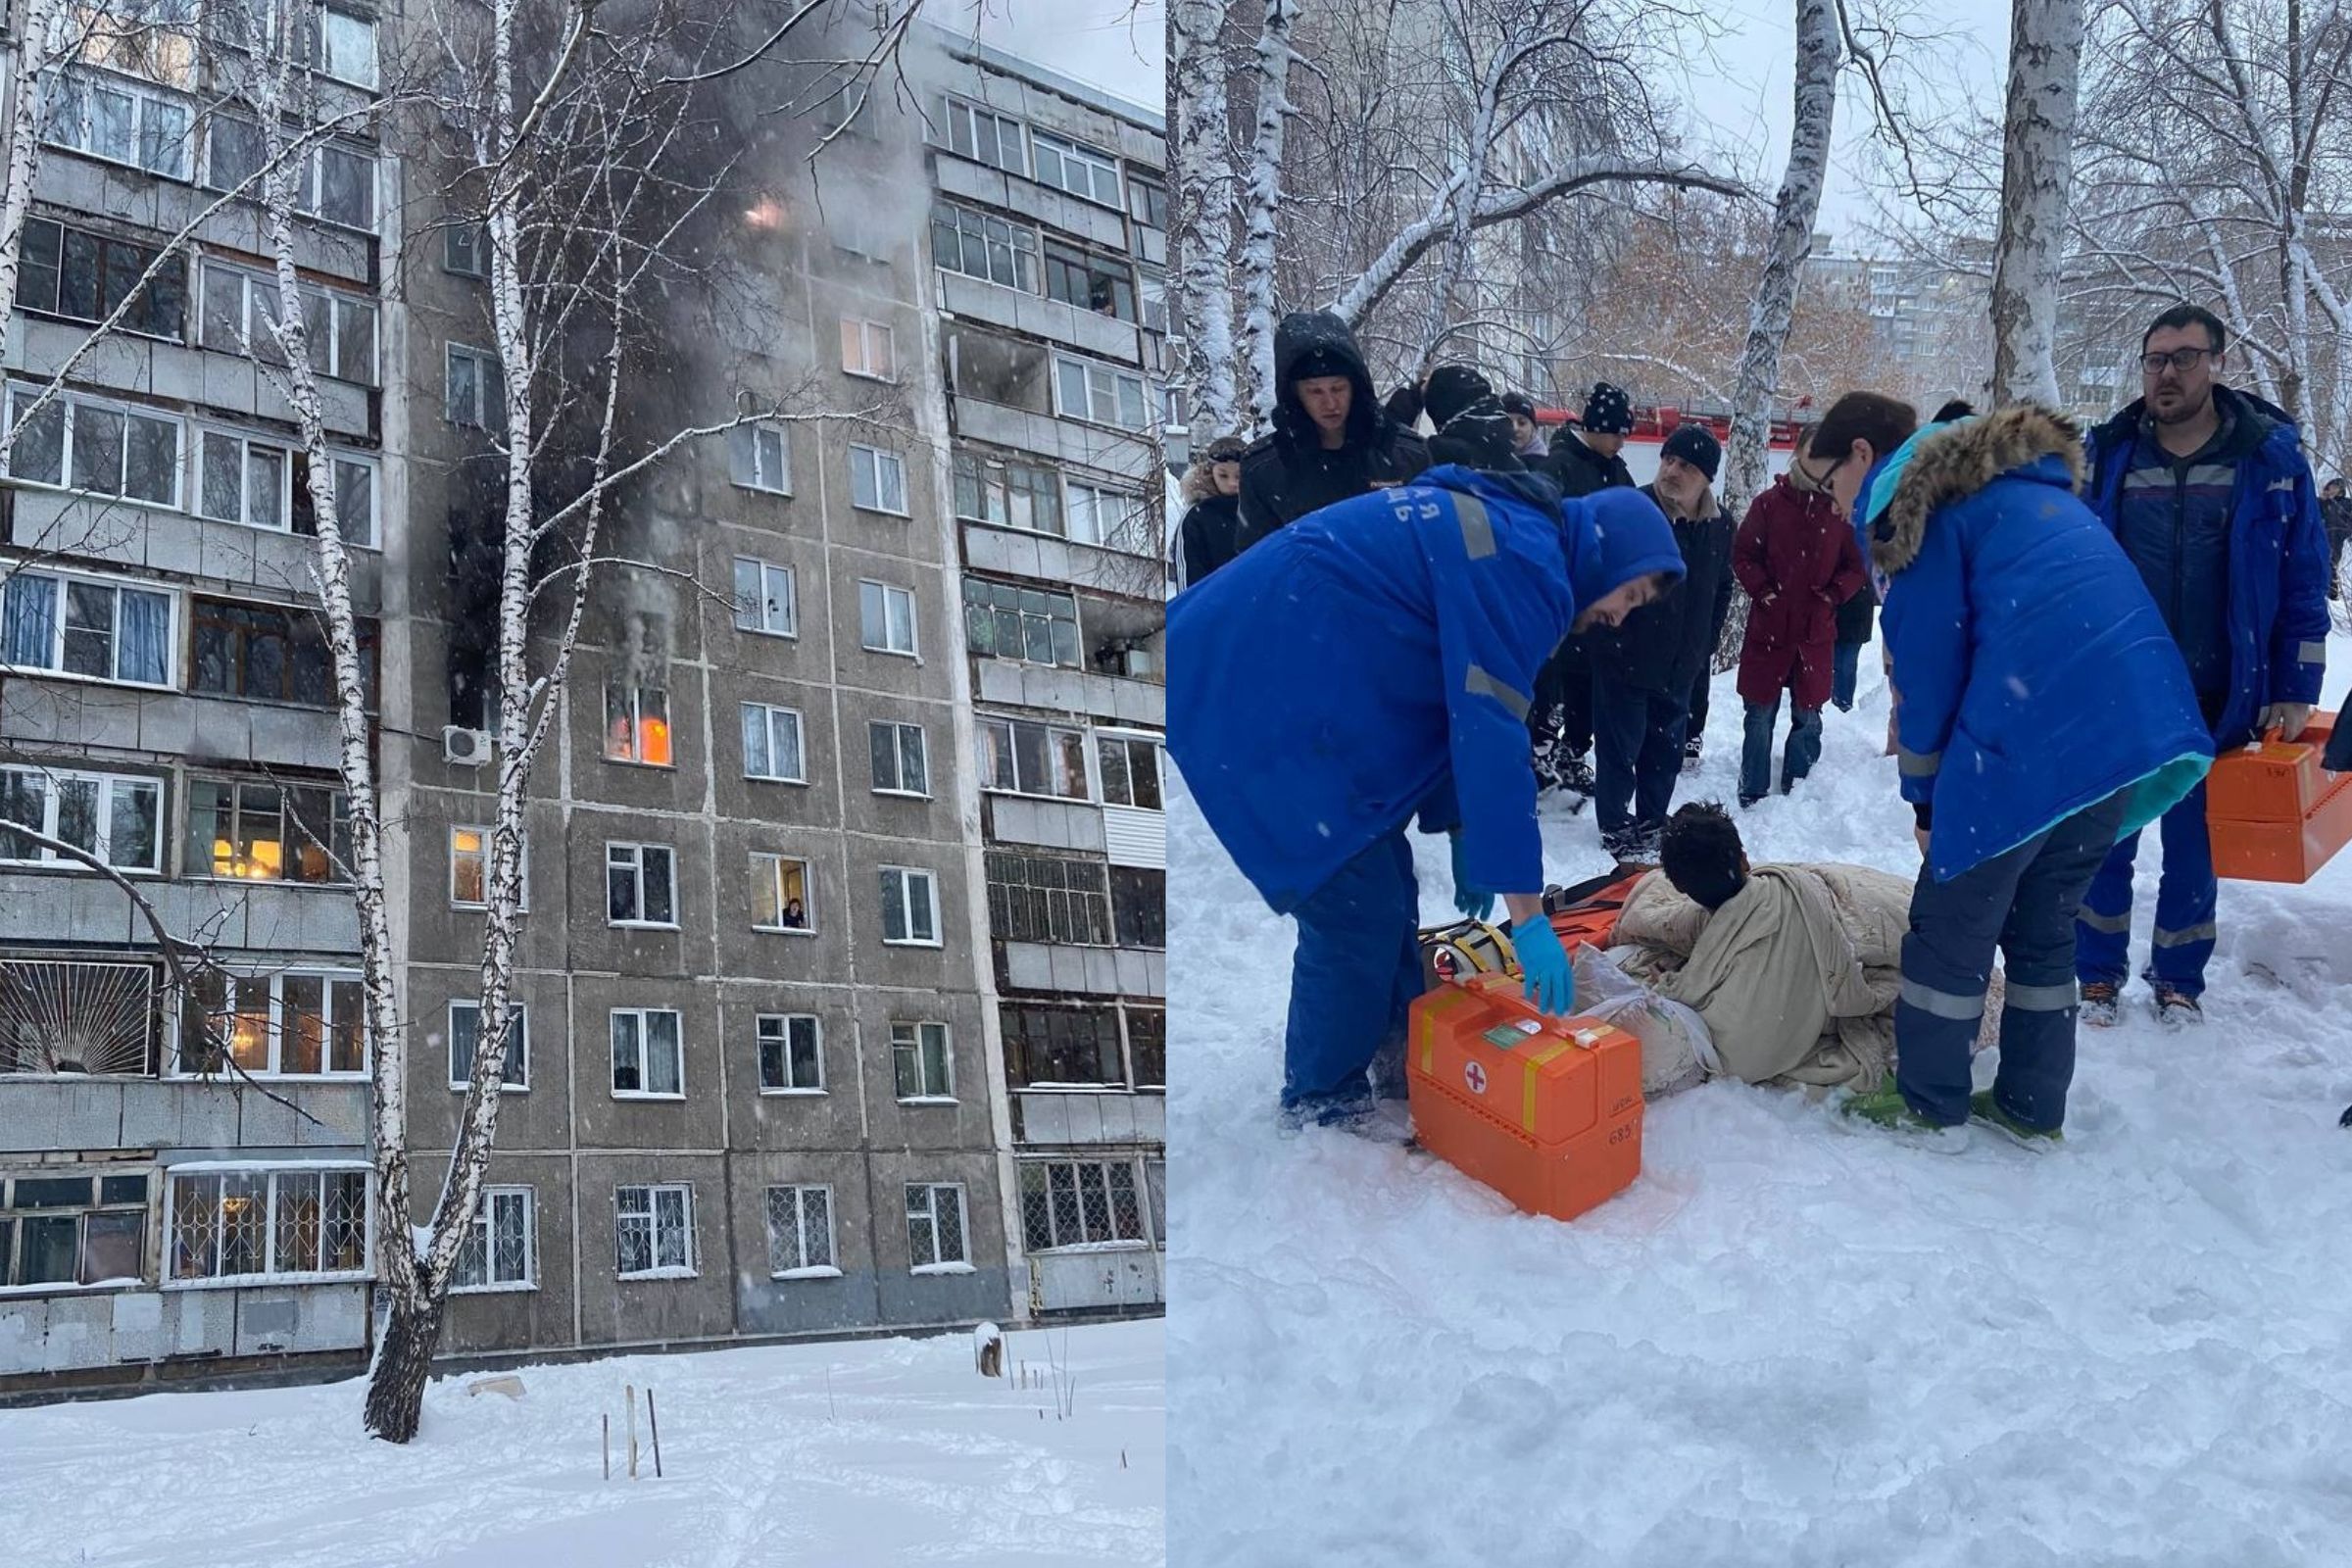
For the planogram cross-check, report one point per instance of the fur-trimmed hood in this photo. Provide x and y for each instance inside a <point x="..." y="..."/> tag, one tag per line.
<point x="1201" y="481"/>
<point x="1958" y="460"/>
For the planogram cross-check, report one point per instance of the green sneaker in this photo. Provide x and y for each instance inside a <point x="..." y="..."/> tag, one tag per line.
<point x="1983" y="1107"/>
<point x="1886" y="1108"/>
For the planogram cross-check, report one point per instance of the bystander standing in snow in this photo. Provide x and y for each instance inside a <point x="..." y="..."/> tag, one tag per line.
<point x="1797" y="561"/>
<point x="2043" y="713"/>
<point x="1526" y="435"/>
<point x="1329" y="439"/>
<point x="1644" y="670"/>
<point x="2335" y="519"/>
<point x="2206" y="488"/>
<point x="1211" y="530"/>
<point x="1370" y="665"/>
<point x="1582" y="461"/>
<point x="1470" y="423"/>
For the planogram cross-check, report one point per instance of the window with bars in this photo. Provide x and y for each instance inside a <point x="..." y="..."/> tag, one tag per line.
<point x="65" y="1015"/>
<point x="82" y="626"/>
<point x="1062" y="1046"/>
<point x="86" y="277"/>
<point x="252" y="1224"/>
<point x="65" y="1230"/>
<point x="1007" y="493"/>
<point x="501" y="1248"/>
<point x="920" y="1061"/>
<point x="255" y="832"/>
<point x="116" y="819"/>
<point x="1080" y="1203"/>
<point x="1024" y="758"/>
<point x="934" y="1228"/>
<point x="1002" y="620"/>
<point x="799" y="1233"/>
<point x="1043" y="897"/>
<point x="292" y="1024"/>
<point x="1090" y="282"/>
<point x="466" y="1033"/>
<point x="792" y="1055"/>
<point x="1139" y="906"/>
<point x="88" y="444"/>
<point x="652" y="1232"/>
<point x="987" y="248"/>
<point x="1130" y="766"/>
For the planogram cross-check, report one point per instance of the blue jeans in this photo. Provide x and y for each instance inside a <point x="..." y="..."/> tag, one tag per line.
<point x="1755" y="751"/>
<point x="2186" y="899"/>
<point x="1845" y="668"/>
<point x="1355" y="977"/>
<point x="1636" y="757"/>
<point x="2021" y="903"/>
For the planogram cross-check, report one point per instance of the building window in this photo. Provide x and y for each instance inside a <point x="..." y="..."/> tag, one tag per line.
<point x="1089" y="282"/>
<point x="123" y="123"/>
<point x="336" y="182"/>
<point x="1002" y="620"/>
<point x="242" y="480"/>
<point x="792" y="1058"/>
<point x="843" y="113"/>
<point x="799" y="1233"/>
<point x="1023" y="758"/>
<point x="238" y="308"/>
<point x="877" y="480"/>
<point x="501" y="1251"/>
<point x="1079" y="1203"/>
<point x="919" y="1061"/>
<point x="1043" y="897"/>
<point x="1080" y="170"/>
<point x="1063" y="1047"/>
<point x="1008" y="494"/>
<point x="934" y="1228"/>
<point x="252" y="1224"/>
<point x="637" y="725"/>
<point x="86" y="277"/>
<point x="988" y="138"/>
<point x="886" y="619"/>
<point x="355" y="498"/>
<point x="759" y="458"/>
<point x="1115" y="519"/>
<point x="901" y="763"/>
<point x="1139" y="906"/>
<point x="465" y="250"/>
<point x="765" y="602"/>
<point x="649" y="1059"/>
<point x="466" y="1032"/>
<point x="118" y="820"/>
<point x="1148" y="202"/>
<point x="640" y="885"/>
<point x="1130" y="771"/>
<point x="1086" y="391"/>
<point x="267" y="832"/>
<point x="270" y="652"/>
<point x="910" y="907"/>
<point x="283" y="1025"/>
<point x="779" y="893"/>
<point x="985" y="368"/>
<point x="1156" y="1185"/>
<point x="77" y="626"/>
<point x="473" y="390"/>
<point x="867" y="350"/>
<point x="1151" y="288"/>
<point x="343" y="47"/>
<point x="68" y="1229"/>
<point x="983" y="247"/>
<point x="469" y="869"/>
<point x="654" y="1232"/>
<point x="103" y="449"/>
<point x="771" y="743"/>
<point x="1147" y="1052"/>
<point x="79" y="1018"/>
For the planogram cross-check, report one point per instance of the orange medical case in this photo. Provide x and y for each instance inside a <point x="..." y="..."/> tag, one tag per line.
<point x="1547" y="1111"/>
<point x="2274" y="814"/>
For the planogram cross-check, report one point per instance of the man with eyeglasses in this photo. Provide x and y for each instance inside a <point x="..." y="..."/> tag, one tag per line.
<point x="2206" y="489"/>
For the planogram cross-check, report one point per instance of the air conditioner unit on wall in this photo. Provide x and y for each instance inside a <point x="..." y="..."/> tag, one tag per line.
<point x="464" y="747"/>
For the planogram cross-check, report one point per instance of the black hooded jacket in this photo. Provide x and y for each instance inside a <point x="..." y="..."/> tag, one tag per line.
<point x="1663" y="646"/>
<point x="1579" y="470"/>
<point x="1287" y="473"/>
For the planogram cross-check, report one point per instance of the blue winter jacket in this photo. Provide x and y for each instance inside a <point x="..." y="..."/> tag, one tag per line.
<point x="1378" y="657"/>
<point x="2277" y="618"/>
<point x="2033" y="676"/>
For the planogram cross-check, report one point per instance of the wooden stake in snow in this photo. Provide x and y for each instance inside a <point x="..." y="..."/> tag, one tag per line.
<point x="607" y="1445"/>
<point x="655" y="1422"/>
<point x="631" y="1389"/>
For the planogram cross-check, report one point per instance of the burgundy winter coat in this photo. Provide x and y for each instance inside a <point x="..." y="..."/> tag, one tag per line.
<point x="1798" y="562"/>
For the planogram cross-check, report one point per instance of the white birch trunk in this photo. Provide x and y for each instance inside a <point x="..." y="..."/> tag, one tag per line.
<point x="1203" y="238"/>
<point x="1261" y="199"/>
<point x="2045" y="49"/>
<point x="34" y="63"/>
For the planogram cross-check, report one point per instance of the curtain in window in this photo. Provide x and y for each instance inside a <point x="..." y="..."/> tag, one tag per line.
<point x="145" y="620"/>
<point x="28" y="620"/>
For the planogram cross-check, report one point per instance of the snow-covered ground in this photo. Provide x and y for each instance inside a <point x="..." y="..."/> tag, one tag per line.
<point x="1787" y="1342"/>
<point x="832" y="1455"/>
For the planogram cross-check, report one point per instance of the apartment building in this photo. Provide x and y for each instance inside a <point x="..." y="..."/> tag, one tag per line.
<point x="1046" y="252"/>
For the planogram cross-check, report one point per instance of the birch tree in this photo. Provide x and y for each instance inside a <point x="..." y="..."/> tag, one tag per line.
<point x="1198" y="110"/>
<point x="2045" y="47"/>
<point x="1261" y="202"/>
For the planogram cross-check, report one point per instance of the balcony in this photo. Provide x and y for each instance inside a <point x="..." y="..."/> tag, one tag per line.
<point x="165" y="541"/>
<point x="1067" y="441"/>
<point x="1046" y="824"/>
<point x="1085" y="972"/>
<point x="1103" y="337"/>
<point x="1064" y="1116"/>
<point x="1018" y="553"/>
<point x="964" y="180"/>
<point x="54" y="712"/>
<point x="83" y="907"/>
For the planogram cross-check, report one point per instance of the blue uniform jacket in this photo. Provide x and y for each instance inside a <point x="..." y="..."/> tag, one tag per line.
<point x="1378" y="659"/>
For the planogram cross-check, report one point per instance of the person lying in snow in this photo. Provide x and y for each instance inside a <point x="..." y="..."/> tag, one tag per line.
<point x="1371" y="663"/>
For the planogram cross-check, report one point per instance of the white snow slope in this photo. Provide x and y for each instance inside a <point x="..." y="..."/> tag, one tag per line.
<point x="882" y="1453"/>
<point x="1787" y="1342"/>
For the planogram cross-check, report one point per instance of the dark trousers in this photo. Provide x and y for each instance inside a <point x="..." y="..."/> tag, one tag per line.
<point x="1636" y="757"/>
<point x="1355" y="977"/>
<point x="2022" y="904"/>
<point x="1845" y="670"/>
<point x="1755" y="751"/>
<point x="1696" y="724"/>
<point x="2187" y="899"/>
<point x="1564" y="699"/>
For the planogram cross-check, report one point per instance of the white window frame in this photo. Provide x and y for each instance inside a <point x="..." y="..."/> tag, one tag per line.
<point x="1130" y="505"/>
<point x="652" y="1217"/>
<point x="859" y="337"/>
<point x="872" y="464"/>
<point x="760" y="1039"/>
<point x="256" y="330"/>
<point x="518" y="1052"/>
<point x="174" y="627"/>
<point x="1094" y="371"/>
<point x="898" y="754"/>
<point x="325" y="66"/>
<point x="310" y="186"/>
<point x="1113" y="1242"/>
<point x="485" y="1224"/>
<point x="345" y="459"/>
<point x="1066" y="152"/>
<point x="271" y="1169"/>
<point x="1021" y="246"/>
<point x="748" y="458"/>
<point x="636" y="705"/>
<point x="800" y="1221"/>
<point x="767" y="715"/>
<point x="524" y="881"/>
<point x="293" y="830"/>
<point x="913" y="648"/>
<point x="245" y="443"/>
<point x="469" y="257"/>
<point x="1056" y="735"/>
<point x="489" y="387"/>
<point x="53" y="808"/>
<point x="963" y="1228"/>
<point x="1011" y="134"/>
<point x="770" y="864"/>
<point x="645" y="1052"/>
<point x="633" y="862"/>
<point x="787" y="624"/>
<point x="909" y="1034"/>
<point x="145" y="96"/>
<point x="72" y="404"/>
<point x="1128" y="738"/>
<point x="275" y="1029"/>
<point x="906" y="875"/>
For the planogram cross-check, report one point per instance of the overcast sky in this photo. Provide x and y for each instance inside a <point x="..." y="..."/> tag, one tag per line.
<point x="1099" y="42"/>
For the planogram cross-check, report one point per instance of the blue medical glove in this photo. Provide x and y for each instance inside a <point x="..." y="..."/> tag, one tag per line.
<point x="1550" y="983"/>
<point x="1473" y="900"/>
